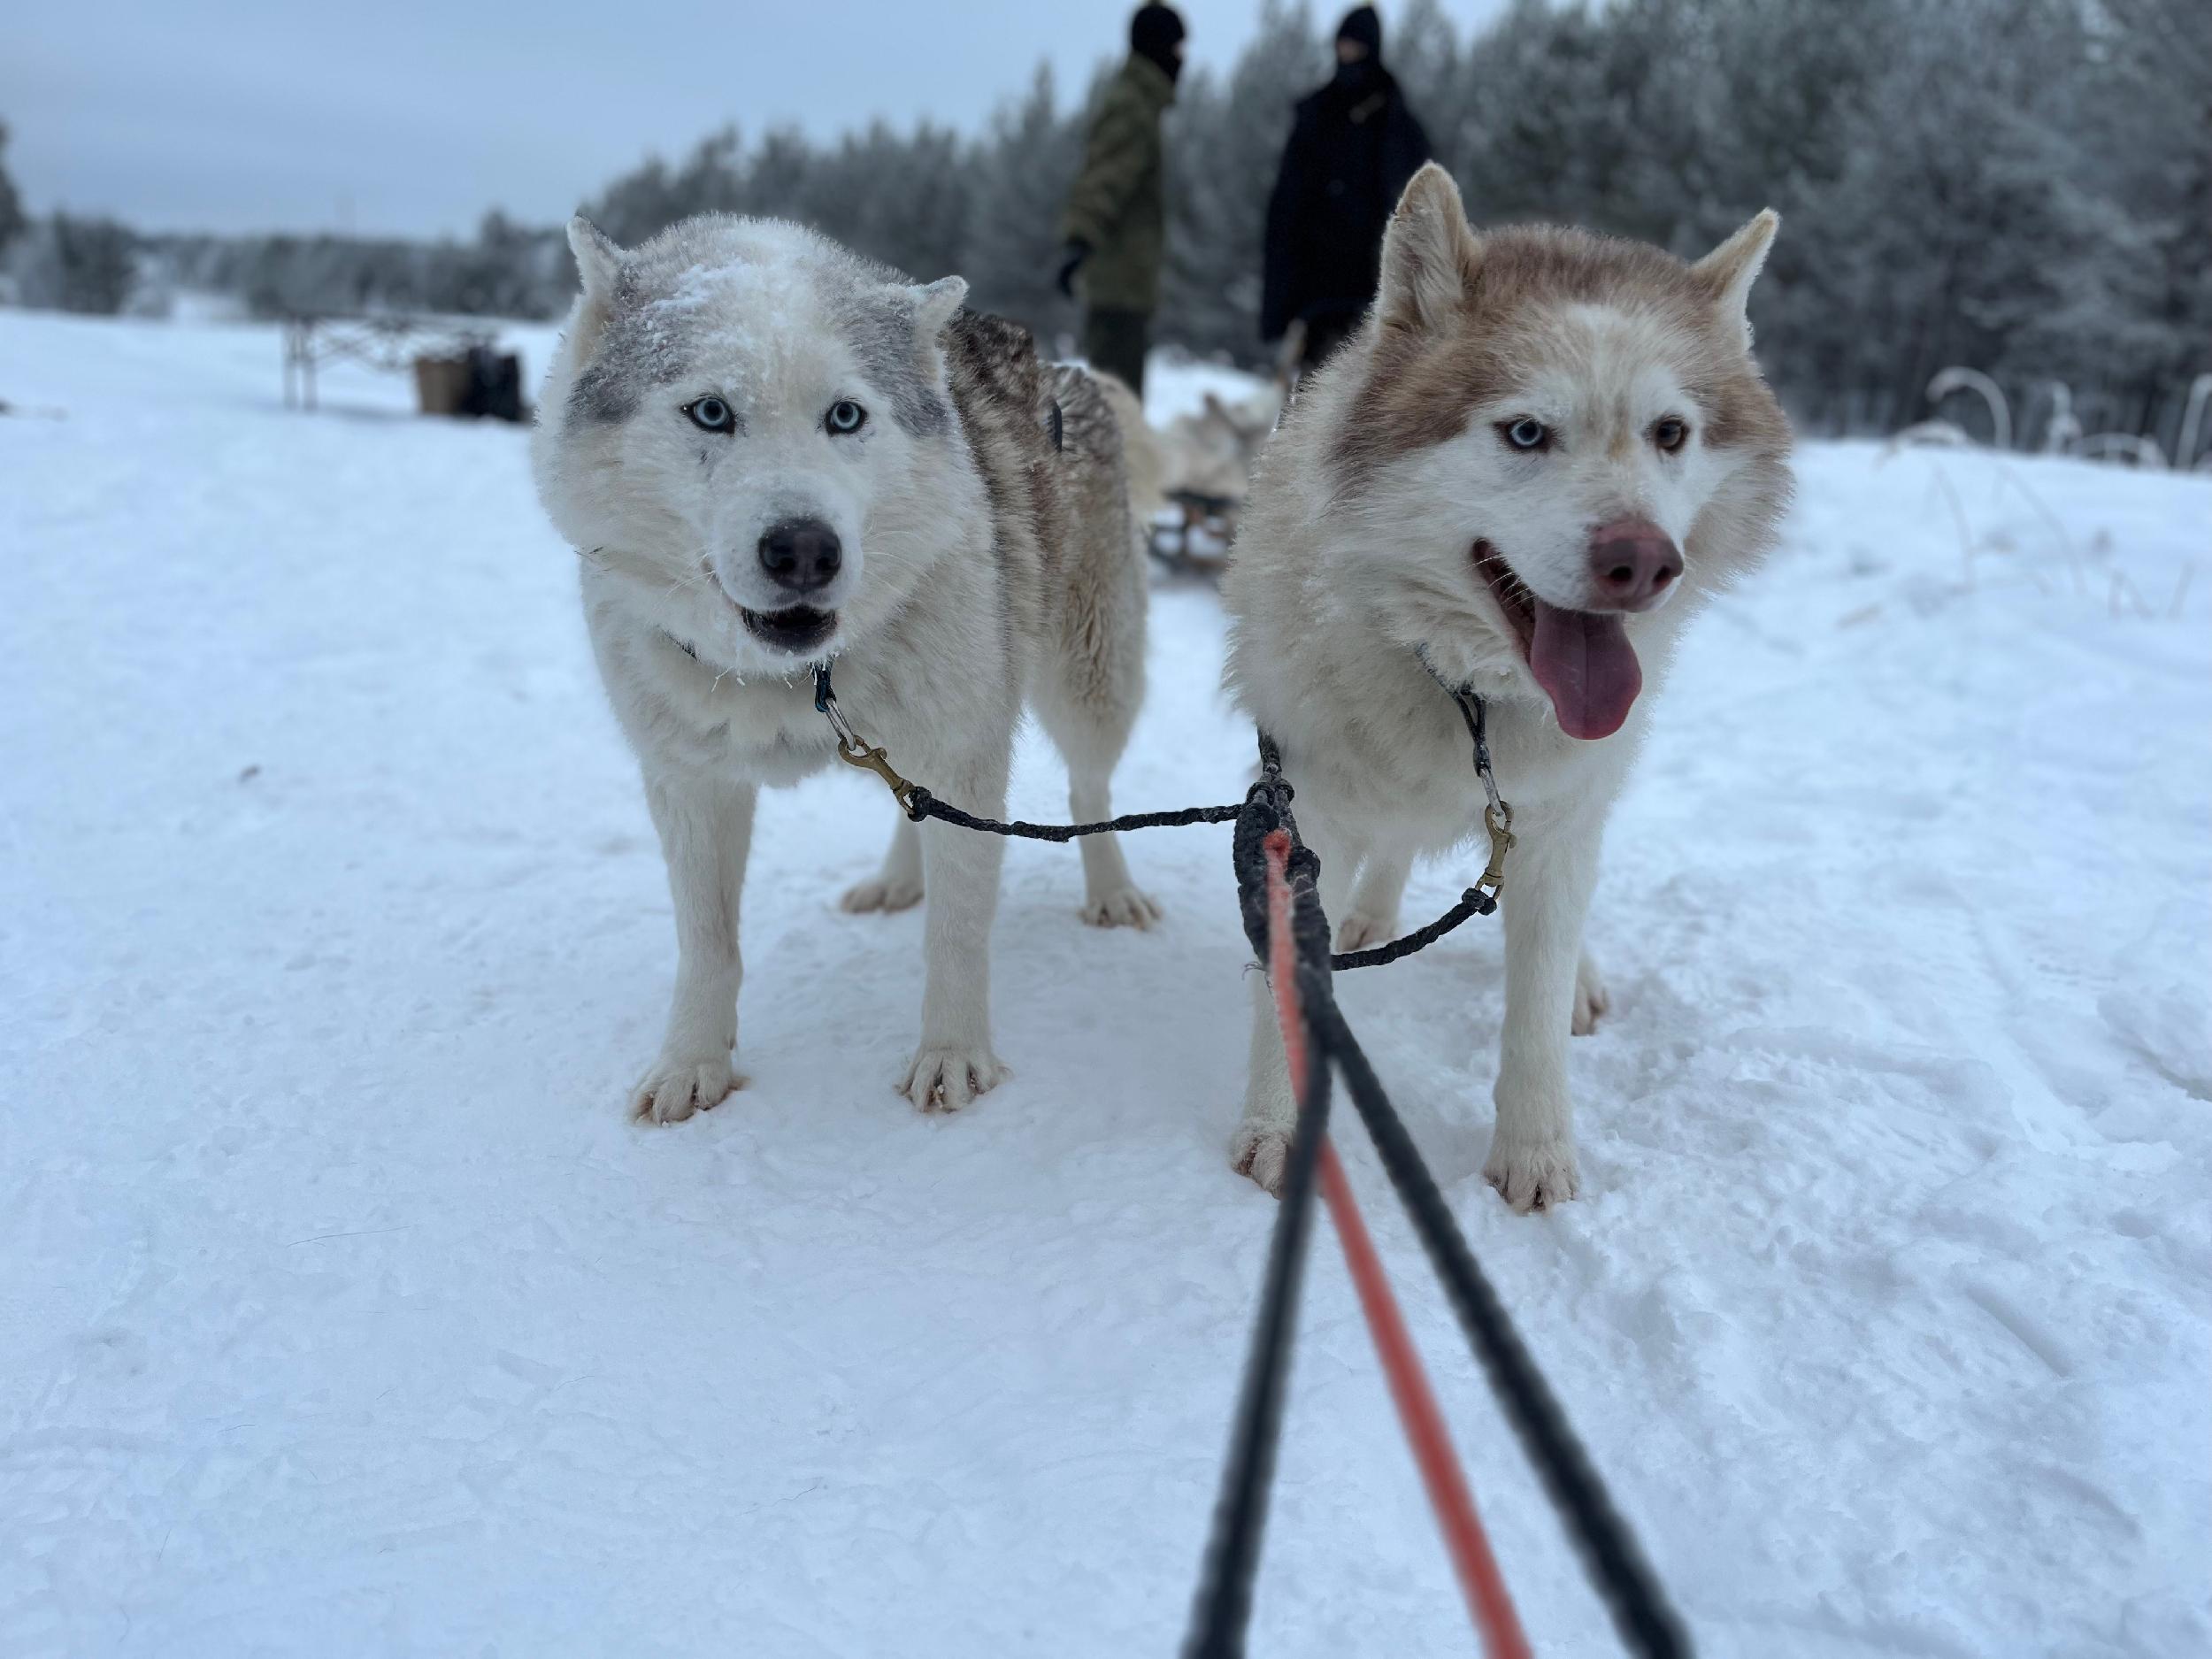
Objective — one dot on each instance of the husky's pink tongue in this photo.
(1588, 668)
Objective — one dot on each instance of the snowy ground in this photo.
(342, 1312)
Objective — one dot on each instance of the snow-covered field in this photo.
(342, 1311)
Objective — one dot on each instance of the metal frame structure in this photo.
(390, 343)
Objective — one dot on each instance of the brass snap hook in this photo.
(1498, 819)
(853, 752)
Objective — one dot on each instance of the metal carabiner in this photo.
(856, 753)
(1497, 820)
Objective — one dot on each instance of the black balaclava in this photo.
(1360, 24)
(1154, 33)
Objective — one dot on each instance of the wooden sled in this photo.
(1194, 538)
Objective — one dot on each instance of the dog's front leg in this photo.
(955, 1063)
(706, 830)
(1549, 880)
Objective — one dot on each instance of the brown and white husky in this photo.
(1533, 464)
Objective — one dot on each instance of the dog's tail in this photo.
(1142, 460)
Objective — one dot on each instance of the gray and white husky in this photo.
(1530, 468)
(770, 452)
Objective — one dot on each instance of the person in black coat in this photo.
(1352, 148)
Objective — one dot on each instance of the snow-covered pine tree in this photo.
(2023, 185)
(71, 264)
(1422, 50)
(1225, 146)
(11, 203)
(1020, 174)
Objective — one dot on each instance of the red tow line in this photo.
(1464, 1540)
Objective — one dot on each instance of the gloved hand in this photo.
(1072, 258)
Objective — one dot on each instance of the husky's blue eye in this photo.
(845, 417)
(712, 414)
(1527, 432)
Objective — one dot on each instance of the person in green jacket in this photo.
(1116, 222)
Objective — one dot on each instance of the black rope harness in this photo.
(1648, 1626)
(920, 804)
(926, 805)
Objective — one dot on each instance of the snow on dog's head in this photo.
(740, 425)
(1552, 435)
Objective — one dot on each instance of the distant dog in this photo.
(1210, 452)
(770, 452)
(1532, 465)
(1143, 458)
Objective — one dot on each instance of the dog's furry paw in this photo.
(946, 1079)
(1359, 931)
(1534, 1175)
(1262, 1151)
(675, 1087)
(1592, 1000)
(899, 893)
(1126, 907)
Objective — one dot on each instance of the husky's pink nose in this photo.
(1633, 565)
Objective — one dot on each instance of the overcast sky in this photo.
(404, 116)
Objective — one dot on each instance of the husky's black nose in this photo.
(802, 555)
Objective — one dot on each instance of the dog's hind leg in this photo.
(1378, 893)
(706, 830)
(1592, 1000)
(898, 885)
(1261, 1146)
(1087, 703)
(1111, 897)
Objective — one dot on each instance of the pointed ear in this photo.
(1428, 254)
(597, 259)
(936, 304)
(1730, 269)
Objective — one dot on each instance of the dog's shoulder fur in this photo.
(1052, 453)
